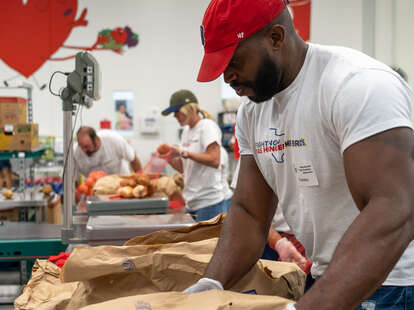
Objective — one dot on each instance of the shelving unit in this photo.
(226, 121)
(21, 161)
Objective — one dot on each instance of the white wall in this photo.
(170, 52)
(404, 40)
(166, 59)
(337, 22)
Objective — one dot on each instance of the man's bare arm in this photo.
(245, 229)
(136, 164)
(380, 175)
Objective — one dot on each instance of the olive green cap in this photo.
(178, 99)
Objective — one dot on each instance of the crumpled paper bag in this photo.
(162, 263)
(200, 231)
(44, 287)
(109, 272)
(209, 300)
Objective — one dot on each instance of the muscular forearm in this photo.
(205, 159)
(364, 257)
(177, 164)
(245, 245)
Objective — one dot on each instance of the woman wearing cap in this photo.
(198, 157)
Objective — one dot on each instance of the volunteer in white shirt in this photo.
(327, 136)
(198, 157)
(105, 151)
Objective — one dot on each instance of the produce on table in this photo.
(140, 191)
(47, 189)
(107, 185)
(7, 193)
(86, 187)
(126, 192)
(128, 182)
(163, 149)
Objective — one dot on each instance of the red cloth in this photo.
(59, 260)
(295, 242)
(236, 150)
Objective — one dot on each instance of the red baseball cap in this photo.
(225, 24)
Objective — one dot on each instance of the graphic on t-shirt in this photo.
(277, 144)
(275, 132)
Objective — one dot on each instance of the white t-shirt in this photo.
(297, 138)
(202, 184)
(224, 166)
(113, 157)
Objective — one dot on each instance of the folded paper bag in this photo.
(209, 300)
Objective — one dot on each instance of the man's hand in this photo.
(136, 164)
(253, 206)
(204, 284)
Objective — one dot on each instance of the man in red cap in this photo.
(326, 135)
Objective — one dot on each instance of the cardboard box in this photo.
(12, 111)
(11, 215)
(26, 137)
(20, 137)
(5, 140)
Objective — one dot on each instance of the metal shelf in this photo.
(35, 153)
(24, 242)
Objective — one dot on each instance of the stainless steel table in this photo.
(25, 242)
(19, 202)
(117, 229)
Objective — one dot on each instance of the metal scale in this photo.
(106, 221)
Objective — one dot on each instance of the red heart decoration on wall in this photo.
(30, 33)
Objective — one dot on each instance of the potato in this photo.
(179, 180)
(140, 191)
(163, 149)
(7, 193)
(142, 179)
(166, 185)
(126, 192)
(107, 185)
(128, 182)
(47, 189)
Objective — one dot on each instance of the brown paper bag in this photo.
(200, 231)
(44, 287)
(109, 272)
(209, 300)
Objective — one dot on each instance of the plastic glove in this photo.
(204, 284)
(288, 253)
(290, 306)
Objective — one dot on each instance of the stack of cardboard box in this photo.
(15, 133)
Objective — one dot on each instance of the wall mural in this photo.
(33, 30)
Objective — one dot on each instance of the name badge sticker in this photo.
(305, 174)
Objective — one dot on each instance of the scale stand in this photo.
(83, 86)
